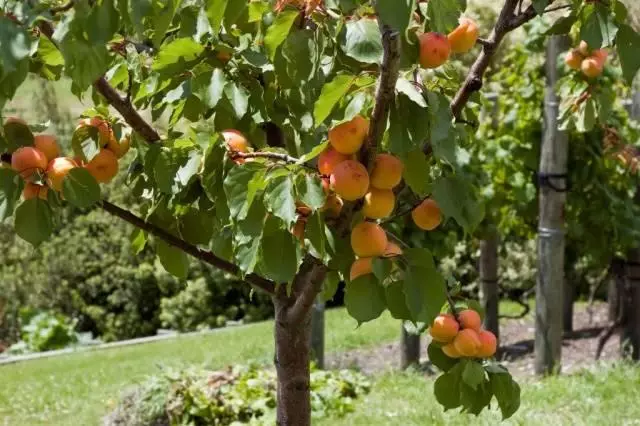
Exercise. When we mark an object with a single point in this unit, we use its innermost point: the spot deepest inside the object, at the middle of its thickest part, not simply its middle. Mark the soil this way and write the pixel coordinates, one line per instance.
(516, 346)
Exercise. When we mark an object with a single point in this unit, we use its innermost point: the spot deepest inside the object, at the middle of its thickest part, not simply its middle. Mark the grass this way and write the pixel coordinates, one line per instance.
(607, 396)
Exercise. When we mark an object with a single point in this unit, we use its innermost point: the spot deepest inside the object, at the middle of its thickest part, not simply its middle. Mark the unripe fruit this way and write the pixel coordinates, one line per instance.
(434, 50)
(451, 351)
(56, 171)
(368, 239)
(427, 215)
(591, 67)
(47, 145)
(392, 250)
(574, 59)
(464, 37)
(387, 171)
(467, 343)
(361, 267)
(350, 180)
(348, 137)
(332, 206)
(470, 319)
(444, 328)
(329, 159)
(378, 203)
(488, 344)
(27, 160)
(32, 190)
(104, 166)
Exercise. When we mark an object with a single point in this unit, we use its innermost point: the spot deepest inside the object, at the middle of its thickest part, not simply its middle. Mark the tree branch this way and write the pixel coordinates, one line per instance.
(307, 285)
(205, 256)
(277, 156)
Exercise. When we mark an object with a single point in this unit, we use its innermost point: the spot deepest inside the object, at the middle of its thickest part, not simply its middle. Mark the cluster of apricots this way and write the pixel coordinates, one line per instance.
(463, 339)
(435, 48)
(590, 62)
(43, 167)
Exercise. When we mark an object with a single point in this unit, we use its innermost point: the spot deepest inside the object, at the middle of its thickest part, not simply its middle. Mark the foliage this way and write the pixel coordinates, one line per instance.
(44, 331)
(238, 395)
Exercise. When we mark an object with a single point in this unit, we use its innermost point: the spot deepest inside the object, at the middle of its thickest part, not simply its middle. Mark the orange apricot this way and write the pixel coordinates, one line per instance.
(120, 148)
(451, 351)
(583, 48)
(444, 328)
(350, 180)
(427, 215)
(387, 171)
(298, 229)
(359, 267)
(464, 37)
(591, 67)
(470, 319)
(57, 169)
(600, 55)
(348, 137)
(574, 59)
(28, 160)
(32, 190)
(467, 343)
(488, 344)
(434, 49)
(392, 250)
(378, 203)
(368, 239)
(104, 166)
(333, 205)
(48, 145)
(329, 159)
(11, 120)
(236, 142)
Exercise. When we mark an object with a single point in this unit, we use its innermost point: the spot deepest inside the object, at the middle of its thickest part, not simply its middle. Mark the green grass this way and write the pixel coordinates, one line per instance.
(607, 396)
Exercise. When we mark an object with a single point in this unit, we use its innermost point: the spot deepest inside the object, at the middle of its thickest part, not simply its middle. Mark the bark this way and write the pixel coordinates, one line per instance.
(489, 282)
(615, 291)
(549, 286)
(631, 331)
(410, 349)
(317, 332)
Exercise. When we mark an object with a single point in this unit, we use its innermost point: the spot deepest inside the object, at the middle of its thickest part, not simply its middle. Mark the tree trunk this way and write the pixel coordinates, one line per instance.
(631, 331)
(317, 332)
(489, 281)
(549, 286)
(410, 349)
(615, 291)
(567, 302)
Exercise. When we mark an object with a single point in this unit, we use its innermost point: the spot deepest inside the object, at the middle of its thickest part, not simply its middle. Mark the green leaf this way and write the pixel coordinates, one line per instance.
(424, 287)
(236, 186)
(598, 28)
(439, 359)
(330, 285)
(507, 393)
(209, 87)
(279, 30)
(331, 94)
(215, 13)
(34, 221)
(15, 44)
(17, 135)
(48, 53)
(177, 56)
(247, 256)
(395, 13)
(447, 387)
(586, 116)
(164, 171)
(473, 374)
(238, 97)
(395, 300)
(458, 200)
(102, 23)
(474, 400)
(408, 126)
(310, 191)
(382, 268)
(197, 226)
(362, 41)
(84, 61)
(212, 178)
(540, 5)
(279, 258)
(444, 14)
(364, 298)
(407, 88)
(416, 172)
(138, 241)
(628, 45)
(11, 185)
(280, 199)
(563, 25)
(80, 188)
(441, 123)
(173, 260)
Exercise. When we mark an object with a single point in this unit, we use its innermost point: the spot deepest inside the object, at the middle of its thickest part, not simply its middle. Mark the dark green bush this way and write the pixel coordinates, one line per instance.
(44, 331)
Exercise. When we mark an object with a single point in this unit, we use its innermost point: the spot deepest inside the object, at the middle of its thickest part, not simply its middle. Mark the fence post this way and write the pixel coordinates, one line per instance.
(410, 343)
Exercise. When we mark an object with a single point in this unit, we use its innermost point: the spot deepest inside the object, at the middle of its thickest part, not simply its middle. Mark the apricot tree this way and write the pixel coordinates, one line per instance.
(301, 135)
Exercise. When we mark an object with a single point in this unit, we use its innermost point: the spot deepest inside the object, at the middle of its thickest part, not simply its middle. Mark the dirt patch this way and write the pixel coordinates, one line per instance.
(516, 342)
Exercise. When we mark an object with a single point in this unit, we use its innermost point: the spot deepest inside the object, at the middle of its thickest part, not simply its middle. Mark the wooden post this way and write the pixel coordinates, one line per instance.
(317, 332)
(615, 292)
(553, 169)
(489, 281)
(569, 289)
(410, 348)
(630, 341)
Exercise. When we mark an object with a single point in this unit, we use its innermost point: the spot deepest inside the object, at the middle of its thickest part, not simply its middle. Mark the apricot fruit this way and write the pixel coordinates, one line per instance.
(378, 203)
(573, 59)
(591, 67)
(103, 127)
(348, 137)
(350, 180)
(488, 344)
(57, 169)
(451, 351)
(583, 48)
(28, 160)
(368, 239)
(32, 190)
(360, 267)
(392, 250)
(298, 229)
(48, 145)
(464, 37)
(434, 49)
(467, 343)
(11, 120)
(329, 159)
(600, 55)
(387, 171)
(427, 215)
(119, 148)
(332, 206)
(104, 166)
(470, 319)
(444, 328)
(235, 140)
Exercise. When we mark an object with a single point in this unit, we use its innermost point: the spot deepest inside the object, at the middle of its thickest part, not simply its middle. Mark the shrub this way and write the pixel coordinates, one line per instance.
(44, 331)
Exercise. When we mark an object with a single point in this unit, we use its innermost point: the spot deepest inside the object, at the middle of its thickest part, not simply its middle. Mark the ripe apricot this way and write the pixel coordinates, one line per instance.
(350, 180)
(488, 344)
(387, 171)
(600, 55)
(48, 145)
(444, 328)
(392, 250)
(591, 67)
(119, 148)
(368, 239)
(329, 159)
(10, 120)
(332, 206)
(348, 137)
(236, 142)
(467, 342)
(470, 319)
(378, 203)
(434, 49)
(451, 351)
(326, 185)
(32, 190)
(574, 59)
(298, 229)
(27, 160)
(57, 169)
(103, 127)
(427, 215)
(464, 37)
(359, 267)
(104, 166)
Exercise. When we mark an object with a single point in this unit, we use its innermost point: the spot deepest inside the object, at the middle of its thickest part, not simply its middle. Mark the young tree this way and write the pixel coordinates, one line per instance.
(245, 178)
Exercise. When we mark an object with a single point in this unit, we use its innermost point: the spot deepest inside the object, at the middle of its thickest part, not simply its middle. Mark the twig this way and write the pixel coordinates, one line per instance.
(205, 256)
(63, 8)
(553, 9)
(129, 87)
(265, 154)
